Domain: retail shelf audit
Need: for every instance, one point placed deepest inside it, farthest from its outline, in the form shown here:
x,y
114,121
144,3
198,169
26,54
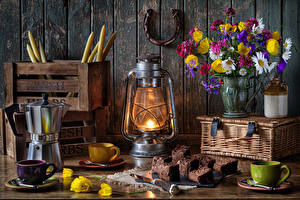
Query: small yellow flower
x,y
217,66
105,190
203,46
197,35
67,182
192,60
228,28
272,46
81,184
276,35
242,50
67,173
242,26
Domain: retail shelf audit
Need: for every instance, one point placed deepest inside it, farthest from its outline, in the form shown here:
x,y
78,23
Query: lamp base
x,y
147,146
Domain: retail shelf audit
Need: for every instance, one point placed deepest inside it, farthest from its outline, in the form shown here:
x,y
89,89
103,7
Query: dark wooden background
x,y
64,26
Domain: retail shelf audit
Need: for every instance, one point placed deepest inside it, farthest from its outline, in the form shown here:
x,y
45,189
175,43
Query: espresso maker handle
x,y
10,110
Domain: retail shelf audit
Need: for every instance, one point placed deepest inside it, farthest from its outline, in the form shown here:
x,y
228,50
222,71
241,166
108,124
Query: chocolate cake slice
x,y
205,160
180,151
165,168
203,175
226,165
186,165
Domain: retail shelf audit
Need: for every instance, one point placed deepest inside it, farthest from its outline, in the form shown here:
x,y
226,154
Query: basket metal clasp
x,y
215,125
252,125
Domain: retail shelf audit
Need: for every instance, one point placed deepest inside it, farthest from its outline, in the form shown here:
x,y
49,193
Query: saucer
x,y
115,163
50,182
284,186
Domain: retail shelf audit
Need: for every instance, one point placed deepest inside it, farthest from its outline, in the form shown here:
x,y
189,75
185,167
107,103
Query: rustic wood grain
x,y
55,18
170,60
125,54
195,95
215,104
79,27
144,45
32,20
10,43
270,11
290,27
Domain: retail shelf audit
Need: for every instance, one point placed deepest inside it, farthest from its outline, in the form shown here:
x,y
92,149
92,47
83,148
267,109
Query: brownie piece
x,y
180,151
186,165
205,160
165,168
203,175
226,165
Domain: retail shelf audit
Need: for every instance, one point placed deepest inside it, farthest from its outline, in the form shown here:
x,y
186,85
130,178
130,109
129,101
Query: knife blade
x,y
173,189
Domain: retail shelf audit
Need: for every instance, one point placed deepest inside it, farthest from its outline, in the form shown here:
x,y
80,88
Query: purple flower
x,y
190,71
242,36
212,85
281,66
266,55
252,48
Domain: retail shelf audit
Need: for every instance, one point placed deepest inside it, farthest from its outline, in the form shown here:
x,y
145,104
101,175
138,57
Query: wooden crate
x,y
273,138
90,82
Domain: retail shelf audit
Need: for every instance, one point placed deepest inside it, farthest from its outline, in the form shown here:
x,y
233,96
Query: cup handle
x,y
117,153
52,172
286,176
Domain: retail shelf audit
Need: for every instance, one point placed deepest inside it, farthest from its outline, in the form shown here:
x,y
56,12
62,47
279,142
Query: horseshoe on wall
x,y
157,42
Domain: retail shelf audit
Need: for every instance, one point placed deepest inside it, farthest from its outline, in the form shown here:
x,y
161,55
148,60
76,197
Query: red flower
x,y
204,69
229,11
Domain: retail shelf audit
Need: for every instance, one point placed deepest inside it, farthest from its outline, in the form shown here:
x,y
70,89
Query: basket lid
x,y
260,120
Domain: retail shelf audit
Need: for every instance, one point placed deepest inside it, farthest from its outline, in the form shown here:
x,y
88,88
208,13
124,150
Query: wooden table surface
x,y
227,189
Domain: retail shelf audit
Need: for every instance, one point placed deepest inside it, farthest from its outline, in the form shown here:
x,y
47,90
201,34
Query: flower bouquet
x,y
238,52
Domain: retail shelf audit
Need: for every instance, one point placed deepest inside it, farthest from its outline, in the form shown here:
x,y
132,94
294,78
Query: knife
x,y
173,189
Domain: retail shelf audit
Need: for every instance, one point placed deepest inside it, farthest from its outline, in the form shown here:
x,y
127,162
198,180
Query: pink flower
x,y
204,69
249,23
217,45
245,61
216,24
267,34
229,11
184,49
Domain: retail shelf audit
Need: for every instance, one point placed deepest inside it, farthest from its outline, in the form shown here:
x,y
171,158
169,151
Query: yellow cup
x,y
103,152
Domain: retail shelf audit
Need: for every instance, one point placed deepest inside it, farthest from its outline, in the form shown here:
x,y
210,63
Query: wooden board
x,y
169,59
78,33
195,95
124,58
272,20
290,28
55,18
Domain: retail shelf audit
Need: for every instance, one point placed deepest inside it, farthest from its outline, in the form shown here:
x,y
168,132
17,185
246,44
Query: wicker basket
x,y
271,140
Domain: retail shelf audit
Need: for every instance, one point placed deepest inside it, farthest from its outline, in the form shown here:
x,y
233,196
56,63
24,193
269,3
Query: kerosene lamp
x,y
149,118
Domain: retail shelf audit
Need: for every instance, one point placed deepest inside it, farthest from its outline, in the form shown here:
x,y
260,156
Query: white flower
x,y
228,65
214,56
272,66
243,71
286,55
259,28
261,63
231,49
287,44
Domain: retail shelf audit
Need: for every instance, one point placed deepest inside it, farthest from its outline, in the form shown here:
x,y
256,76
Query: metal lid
x,y
44,102
148,62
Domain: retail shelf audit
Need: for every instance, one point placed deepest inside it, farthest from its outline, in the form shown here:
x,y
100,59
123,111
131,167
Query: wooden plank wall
x,y
64,26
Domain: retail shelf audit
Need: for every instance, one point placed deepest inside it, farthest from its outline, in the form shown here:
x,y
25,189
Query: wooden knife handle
x,y
169,187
